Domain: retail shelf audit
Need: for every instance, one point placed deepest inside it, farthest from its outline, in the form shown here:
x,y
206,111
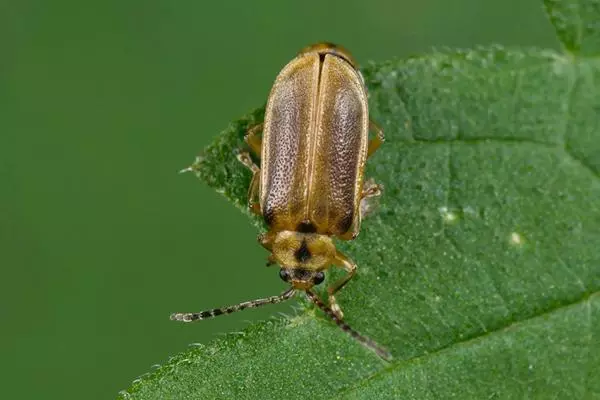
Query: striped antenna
x,y
190,317
364,340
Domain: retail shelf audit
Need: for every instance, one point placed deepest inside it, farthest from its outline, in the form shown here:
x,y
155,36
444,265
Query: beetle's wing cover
x,y
289,119
340,149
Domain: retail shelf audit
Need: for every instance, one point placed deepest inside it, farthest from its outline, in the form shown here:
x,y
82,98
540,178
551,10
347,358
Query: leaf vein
x,y
585,299
581,162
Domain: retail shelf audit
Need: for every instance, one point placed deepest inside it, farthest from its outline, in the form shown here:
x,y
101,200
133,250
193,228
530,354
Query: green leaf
x,y
577,24
480,269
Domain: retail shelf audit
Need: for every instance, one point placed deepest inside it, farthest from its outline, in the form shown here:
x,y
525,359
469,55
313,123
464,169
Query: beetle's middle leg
x,y
350,267
253,140
377,140
253,203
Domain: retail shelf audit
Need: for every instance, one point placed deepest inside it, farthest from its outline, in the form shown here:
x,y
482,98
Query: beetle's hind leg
x,y
371,189
350,267
368,203
253,140
253,203
377,140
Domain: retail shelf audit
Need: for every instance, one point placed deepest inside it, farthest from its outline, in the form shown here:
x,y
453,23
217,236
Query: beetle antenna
x,y
364,340
190,317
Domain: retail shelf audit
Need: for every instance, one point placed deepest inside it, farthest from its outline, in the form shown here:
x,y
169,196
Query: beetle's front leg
x,y
253,194
350,267
266,241
271,260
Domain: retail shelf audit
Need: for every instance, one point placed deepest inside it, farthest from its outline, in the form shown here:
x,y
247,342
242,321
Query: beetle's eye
x,y
319,277
284,275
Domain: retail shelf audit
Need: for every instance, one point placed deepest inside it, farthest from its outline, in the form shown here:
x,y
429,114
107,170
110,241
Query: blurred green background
x,y
101,103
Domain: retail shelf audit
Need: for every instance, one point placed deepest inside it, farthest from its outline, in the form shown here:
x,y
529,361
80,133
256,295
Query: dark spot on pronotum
x,y
216,312
306,227
302,254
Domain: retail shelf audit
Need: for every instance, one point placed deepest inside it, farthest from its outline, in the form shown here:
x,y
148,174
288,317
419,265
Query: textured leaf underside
x,y
480,269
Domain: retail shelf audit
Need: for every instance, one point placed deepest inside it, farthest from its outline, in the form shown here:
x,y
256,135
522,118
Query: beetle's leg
x,y
271,260
253,140
371,189
253,204
266,241
377,140
349,265
367,203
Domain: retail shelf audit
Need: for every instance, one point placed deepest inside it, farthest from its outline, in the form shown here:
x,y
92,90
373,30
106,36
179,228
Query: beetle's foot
x,y
254,207
335,308
369,198
244,158
371,189
271,261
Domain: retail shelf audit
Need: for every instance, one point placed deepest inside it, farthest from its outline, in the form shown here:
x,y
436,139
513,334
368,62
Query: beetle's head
x,y
301,278
303,257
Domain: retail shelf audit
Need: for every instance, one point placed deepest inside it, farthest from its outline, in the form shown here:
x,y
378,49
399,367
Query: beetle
x,y
310,184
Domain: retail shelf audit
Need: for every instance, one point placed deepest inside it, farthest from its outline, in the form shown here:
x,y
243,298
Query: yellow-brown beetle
x,y
314,145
